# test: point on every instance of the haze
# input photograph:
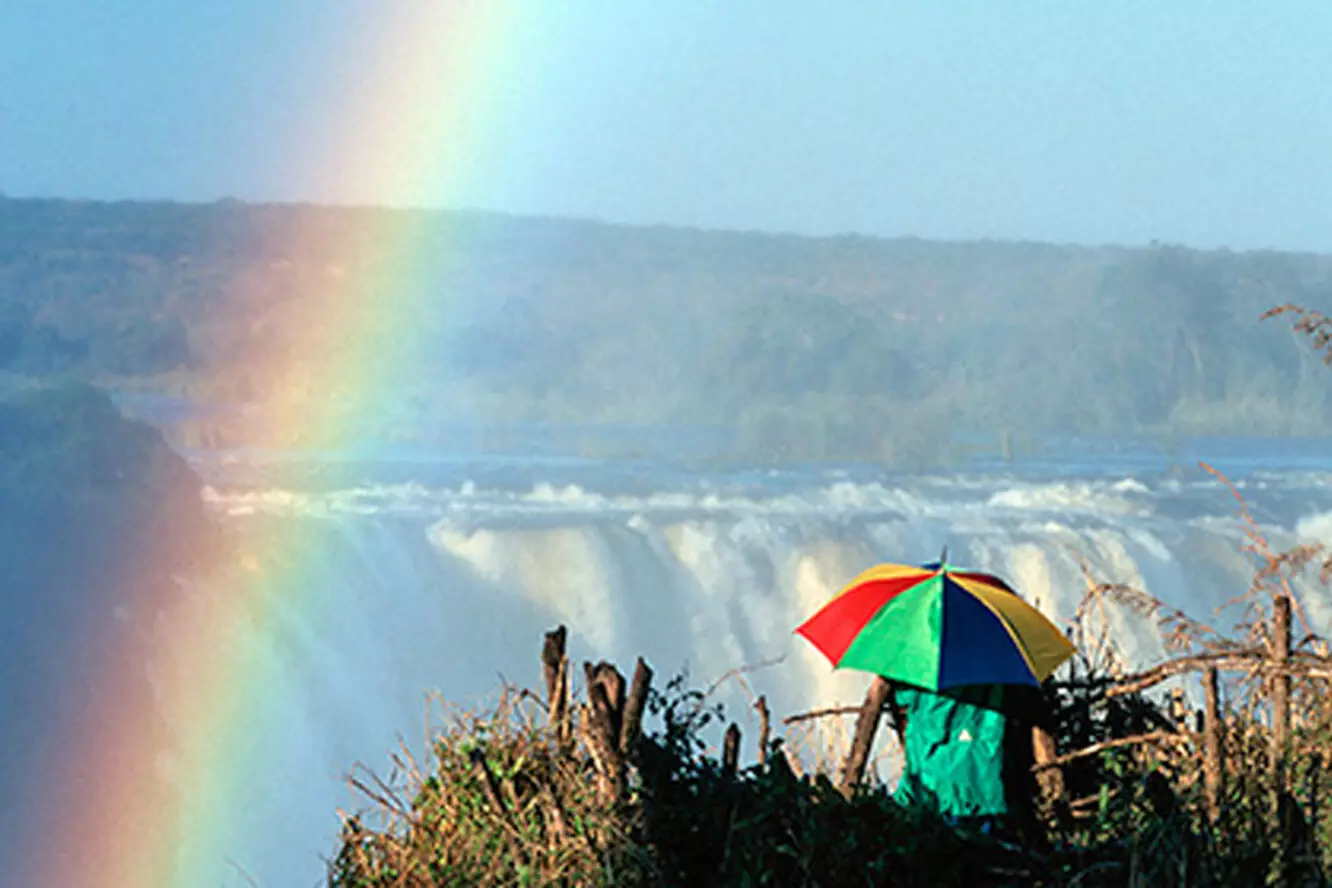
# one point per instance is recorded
(1205, 124)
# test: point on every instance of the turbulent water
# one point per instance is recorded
(421, 575)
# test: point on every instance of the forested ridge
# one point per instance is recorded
(827, 347)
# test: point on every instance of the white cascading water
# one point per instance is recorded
(413, 588)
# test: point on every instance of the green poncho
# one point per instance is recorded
(954, 752)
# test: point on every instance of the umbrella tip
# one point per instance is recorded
(943, 557)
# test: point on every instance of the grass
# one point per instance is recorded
(549, 827)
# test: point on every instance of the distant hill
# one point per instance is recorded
(845, 347)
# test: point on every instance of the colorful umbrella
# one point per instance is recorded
(937, 627)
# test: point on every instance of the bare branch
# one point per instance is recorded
(739, 674)
(820, 713)
(1163, 737)
(1313, 324)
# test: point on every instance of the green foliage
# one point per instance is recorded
(442, 830)
(1149, 818)
(766, 826)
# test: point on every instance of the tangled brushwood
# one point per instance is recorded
(516, 797)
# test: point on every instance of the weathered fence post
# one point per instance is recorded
(765, 729)
(731, 750)
(1049, 778)
(603, 736)
(555, 667)
(1280, 657)
(866, 725)
(552, 652)
(612, 681)
(1211, 735)
(631, 725)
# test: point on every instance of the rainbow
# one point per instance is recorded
(431, 92)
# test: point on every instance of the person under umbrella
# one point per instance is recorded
(966, 656)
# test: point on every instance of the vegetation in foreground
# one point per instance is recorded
(523, 795)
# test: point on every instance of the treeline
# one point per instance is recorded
(844, 347)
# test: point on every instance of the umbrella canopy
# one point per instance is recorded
(937, 627)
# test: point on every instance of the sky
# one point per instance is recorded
(1201, 123)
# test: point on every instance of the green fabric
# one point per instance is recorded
(902, 639)
(954, 753)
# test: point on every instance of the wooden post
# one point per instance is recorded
(602, 738)
(866, 725)
(1211, 732)
(610, 678)
(1049, 780)
(555, 667)
(731, 750)
(765, 728)
(552, 652)
(631, 725)
(1280, 656)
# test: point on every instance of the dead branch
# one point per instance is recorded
(1273, 568)
(492, 793)
(820, 713)
(739, 673)
(1313, 324)
(1232, 660)
(1163, 737)
(1182, 629)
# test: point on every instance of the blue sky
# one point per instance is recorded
(1204, 123)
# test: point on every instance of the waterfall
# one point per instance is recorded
(408, 589)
